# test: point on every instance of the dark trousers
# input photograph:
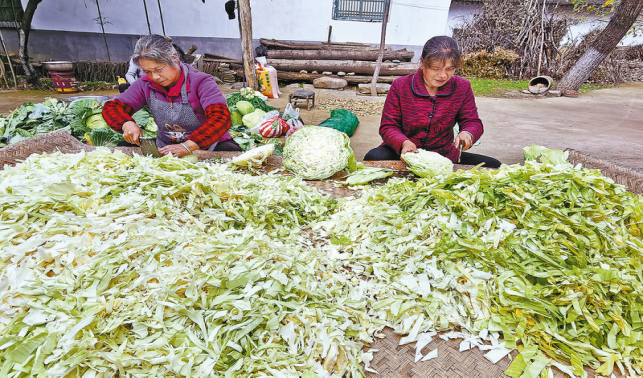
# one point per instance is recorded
(467, 158)
(123, 87)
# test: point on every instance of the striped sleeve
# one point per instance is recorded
(116, 113)
(217, 124)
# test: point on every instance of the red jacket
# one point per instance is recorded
(411, 113)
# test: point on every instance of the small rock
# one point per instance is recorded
(327, 73)
(303, 71)
(340, 73)
(526, 91)
(556, 93)
(237, 85)
(395, 61)
(380, 87)
(329, 83)
(314, 72)
(350, 74)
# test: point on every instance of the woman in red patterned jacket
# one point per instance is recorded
(187, 105)
(421, 110)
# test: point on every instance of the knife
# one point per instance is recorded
(148, 147)
(460, 148)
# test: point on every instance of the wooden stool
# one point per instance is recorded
(301, 95)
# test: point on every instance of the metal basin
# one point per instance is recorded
(60, 66)
(101, 99)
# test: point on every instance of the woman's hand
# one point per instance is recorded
(131, 132)
(408, 146)
(465, 137)
(178, 150)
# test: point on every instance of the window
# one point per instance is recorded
(359, 10)
(10, 13)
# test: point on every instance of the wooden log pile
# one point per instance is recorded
(353, 62)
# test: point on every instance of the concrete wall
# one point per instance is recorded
(67, 29)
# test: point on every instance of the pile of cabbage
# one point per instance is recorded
(114, 266)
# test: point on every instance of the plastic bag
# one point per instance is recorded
(291, 116)
(257, 128)
(342, 120)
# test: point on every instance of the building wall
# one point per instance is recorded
(65, 29)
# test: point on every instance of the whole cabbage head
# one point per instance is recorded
(245, 107)
(427, 163)
(236, 116)
(251, 119)
(316, 153)
(96, 121)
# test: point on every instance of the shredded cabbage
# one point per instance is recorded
(114, 266)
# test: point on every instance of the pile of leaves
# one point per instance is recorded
(256, 101)
(359, 107)
(81, 118)
(248, 140)
(112, 265)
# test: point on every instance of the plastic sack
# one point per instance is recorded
(273, 128)
(342, 120)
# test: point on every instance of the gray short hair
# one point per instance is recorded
(441, 49)
(156, 48)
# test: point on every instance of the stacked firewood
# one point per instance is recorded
(353, 62)
(224, 68)
(88, 70)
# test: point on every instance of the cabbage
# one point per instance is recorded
(316, 153)
(96, 121)
(192, 158)
(427, 163)
(363, 176)
(151, 126)
(249, 120)
(245, 107)
(236, 116)
(255, 157)
(103, 137)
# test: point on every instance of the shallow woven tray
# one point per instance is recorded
(392, 360)
(629, 177)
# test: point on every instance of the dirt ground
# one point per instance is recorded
(606, 123)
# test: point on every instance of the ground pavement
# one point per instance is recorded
(606, 123)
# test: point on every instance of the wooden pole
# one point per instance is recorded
(246, 42)
(380, 57)
(147, 17)
(240, 34)
(161, 13)
(542, 38)
(102, 27)
(13, 74)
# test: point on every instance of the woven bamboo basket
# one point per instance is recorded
(391, 360)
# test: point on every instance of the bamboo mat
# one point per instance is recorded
(392, 360)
